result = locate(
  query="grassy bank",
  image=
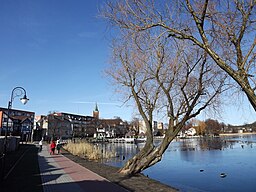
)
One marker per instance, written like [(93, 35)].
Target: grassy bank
[(88, 151)]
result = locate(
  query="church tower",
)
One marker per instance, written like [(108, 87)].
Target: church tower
[(96, 112)]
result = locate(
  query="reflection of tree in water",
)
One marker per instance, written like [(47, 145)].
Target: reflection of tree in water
[(124, 151), (213, 143), (206, 143), (188, 145)]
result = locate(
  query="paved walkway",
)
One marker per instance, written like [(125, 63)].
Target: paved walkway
[(59, 174)]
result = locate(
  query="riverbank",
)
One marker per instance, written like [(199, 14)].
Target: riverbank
[(237, 134), (137, 183)]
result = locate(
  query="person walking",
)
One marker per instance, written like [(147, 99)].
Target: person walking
[(40, 145), (52, 147), (58, 146)]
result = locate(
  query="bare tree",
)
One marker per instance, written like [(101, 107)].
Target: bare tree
[(199, 126), (213, 126), (225, 30), (165, 77)]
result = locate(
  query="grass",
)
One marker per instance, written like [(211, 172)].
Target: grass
[(88, 151)]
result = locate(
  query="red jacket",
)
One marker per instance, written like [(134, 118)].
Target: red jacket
[(53, 145)]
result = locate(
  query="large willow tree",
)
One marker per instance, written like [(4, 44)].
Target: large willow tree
[(162, 76), (224, 29)]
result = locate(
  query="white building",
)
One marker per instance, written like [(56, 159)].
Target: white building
[(190, 132), (155, 126)]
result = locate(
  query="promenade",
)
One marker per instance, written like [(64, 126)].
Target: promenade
[(60, 174), (29, 170)]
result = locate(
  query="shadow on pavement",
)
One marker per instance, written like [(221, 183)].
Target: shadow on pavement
[(25, 176), (87, 186)]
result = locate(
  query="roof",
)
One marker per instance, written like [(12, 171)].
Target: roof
[(5, 109), (96, 108), (21, 118), (111, 121)]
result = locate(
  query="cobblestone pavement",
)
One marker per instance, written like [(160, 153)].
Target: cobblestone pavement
[(136, 183), (60, 174)]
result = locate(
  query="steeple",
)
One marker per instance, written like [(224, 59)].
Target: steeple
[(96, 108), (96, 112)]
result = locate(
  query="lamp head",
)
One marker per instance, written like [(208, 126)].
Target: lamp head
[(24, 100)]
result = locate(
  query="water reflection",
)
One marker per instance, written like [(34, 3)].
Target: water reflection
[(183, 160), (124, 151), (212, 143)]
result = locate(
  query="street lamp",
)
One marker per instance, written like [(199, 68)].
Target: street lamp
[(16, 92)]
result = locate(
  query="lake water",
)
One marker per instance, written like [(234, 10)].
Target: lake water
[(197, 164)]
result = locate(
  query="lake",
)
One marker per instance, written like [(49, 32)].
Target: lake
[(200, 164)]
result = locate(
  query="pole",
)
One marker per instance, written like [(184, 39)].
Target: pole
[(23, 100), (7, 126)]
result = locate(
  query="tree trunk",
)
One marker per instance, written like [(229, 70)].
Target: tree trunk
[(140, 161), (244, 83), (242, 80), (150, 154), (240, 76), (252, 99)]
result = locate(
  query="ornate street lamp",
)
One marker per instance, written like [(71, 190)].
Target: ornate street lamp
[(16, 92)]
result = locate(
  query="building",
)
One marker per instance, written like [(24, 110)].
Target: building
[(142, 128), (68, 125), (190, 132), (156, 127), (111, 128), (108, 128), (40, 127), (96, 113), (20, 123), (160, 125), (80, 125), (65, 125)]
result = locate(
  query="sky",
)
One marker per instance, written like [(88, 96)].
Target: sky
[(57, 50)]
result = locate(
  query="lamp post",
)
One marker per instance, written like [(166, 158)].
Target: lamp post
[(16, 92)]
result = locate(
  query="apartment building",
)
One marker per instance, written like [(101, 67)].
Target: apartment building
[(20, 123), (68, 125)]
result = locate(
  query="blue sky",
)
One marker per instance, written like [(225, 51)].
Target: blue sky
[(57, 50)]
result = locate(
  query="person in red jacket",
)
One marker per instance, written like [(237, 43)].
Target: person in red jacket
[(52, 147)]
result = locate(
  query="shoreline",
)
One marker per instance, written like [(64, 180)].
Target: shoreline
[(136, 183), (236, 134)]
